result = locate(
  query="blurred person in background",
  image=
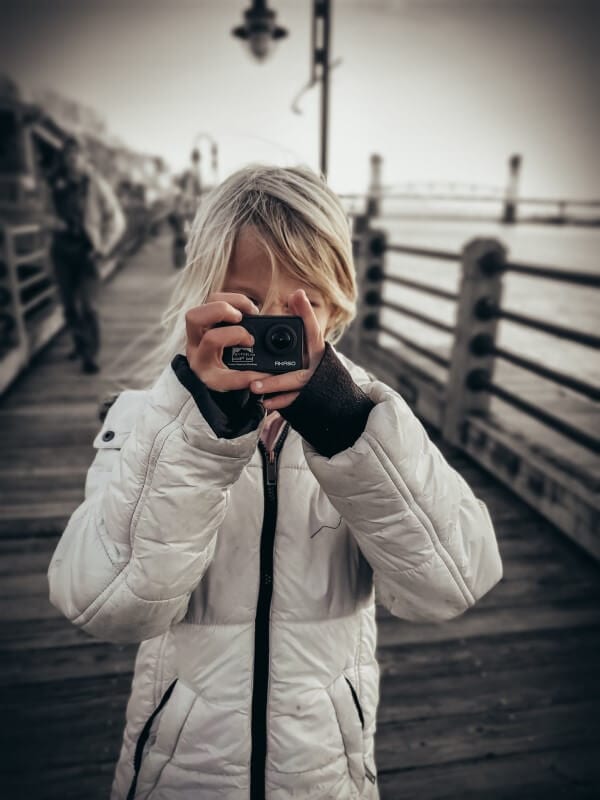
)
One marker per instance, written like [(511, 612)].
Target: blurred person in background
[(178, 221), (87, 225)]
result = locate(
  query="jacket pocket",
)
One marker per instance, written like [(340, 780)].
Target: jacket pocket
[(158, 739), (350, 720)]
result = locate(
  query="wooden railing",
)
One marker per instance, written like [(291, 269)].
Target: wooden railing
[(454, 396), (30, 310)]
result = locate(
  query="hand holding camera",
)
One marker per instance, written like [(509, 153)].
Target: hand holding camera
[(229, 346), (205, 342), (286, 387), (278, 345)]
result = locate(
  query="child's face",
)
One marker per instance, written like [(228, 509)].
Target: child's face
[(250, 273)]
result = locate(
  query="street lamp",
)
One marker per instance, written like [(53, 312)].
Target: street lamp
[(260, 30), (321, 37), (319, 71)]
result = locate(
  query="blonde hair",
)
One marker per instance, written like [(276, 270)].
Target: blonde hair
[(302, 226)]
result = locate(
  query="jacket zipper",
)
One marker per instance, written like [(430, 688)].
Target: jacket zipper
[(260, 684), (368, 773), (143, 738), (357, 705)]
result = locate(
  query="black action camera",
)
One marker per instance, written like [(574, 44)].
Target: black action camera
[(278, 345)]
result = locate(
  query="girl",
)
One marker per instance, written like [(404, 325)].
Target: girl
[(239, 525)]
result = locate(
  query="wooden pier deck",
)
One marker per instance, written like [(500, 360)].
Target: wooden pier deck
[(503, 702)]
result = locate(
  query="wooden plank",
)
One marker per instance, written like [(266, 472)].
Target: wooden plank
[(39, 519), (34, 607), (567, 772), (479, 695), (442, 740), (25, 555), (410, 663), (568, 503), (483, 622), (42, 634), (78, 456), (64, 666), (91, 780)]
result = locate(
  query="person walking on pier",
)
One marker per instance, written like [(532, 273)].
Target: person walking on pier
[(178, 220), (239, 524), (88, 224)]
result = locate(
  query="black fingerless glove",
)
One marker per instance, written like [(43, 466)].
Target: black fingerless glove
[(229, 414)]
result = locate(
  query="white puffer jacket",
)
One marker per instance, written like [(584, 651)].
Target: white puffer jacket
[(166, 550)]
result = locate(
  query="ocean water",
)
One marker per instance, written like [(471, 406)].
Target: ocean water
[(568, 247), (559, 247), (565, 247)]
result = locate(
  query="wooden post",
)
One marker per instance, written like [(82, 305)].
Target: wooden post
[(369, 247), (19, 333), (472, 359), (374, 191), (511, 198), (321, 47)]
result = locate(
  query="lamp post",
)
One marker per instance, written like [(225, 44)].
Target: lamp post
[(260, 31), (511, 197), (321, 36)]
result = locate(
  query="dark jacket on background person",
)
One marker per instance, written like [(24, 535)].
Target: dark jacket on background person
[(88, 210)]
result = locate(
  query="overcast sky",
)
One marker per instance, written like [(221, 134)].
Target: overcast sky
[(444, 90)]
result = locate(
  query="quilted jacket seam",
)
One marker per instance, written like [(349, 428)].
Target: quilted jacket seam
[(342, 757), (101, 538), (153, 600), (160, 668), (438, 547), (412, 570), (104, 594), (110, 586), (102, 597), (150, 470)]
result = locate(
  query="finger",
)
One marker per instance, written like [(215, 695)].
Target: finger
[(300, 304), (231, 379), (201, 318), (281, 401), (287, 382), (236, 299), (218, 338)]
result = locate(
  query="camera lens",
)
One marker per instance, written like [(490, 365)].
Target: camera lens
[(280, 338)]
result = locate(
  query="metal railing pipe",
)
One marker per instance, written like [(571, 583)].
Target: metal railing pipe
[(443, 255), (560, 331), (564, 275), (561, 378), (556, 423), (408, 312), (422, 287), (423, 351)]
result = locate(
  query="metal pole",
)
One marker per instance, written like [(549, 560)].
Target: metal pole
[(321, 39), (511, 199)]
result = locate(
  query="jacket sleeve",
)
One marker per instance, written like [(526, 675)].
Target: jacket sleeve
[(112, 213), (156, 495), (429, 540)]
